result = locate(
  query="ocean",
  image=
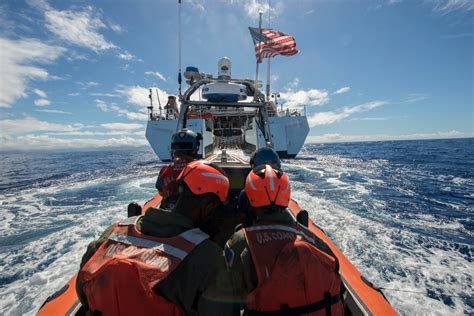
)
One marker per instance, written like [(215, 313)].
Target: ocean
[(401, 211)]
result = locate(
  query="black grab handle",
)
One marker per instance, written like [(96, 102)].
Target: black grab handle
[(303, 218)]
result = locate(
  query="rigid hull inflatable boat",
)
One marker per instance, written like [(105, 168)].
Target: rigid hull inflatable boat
[(230, 151)]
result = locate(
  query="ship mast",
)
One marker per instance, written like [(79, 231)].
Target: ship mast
[(268, 60), (179, 48), (256, 72)]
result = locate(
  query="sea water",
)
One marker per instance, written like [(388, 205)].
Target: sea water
[(401, 211)]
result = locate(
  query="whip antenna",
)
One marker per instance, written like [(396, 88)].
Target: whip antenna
[(158, 97), (179, 47), (256, 71), (268, 59)]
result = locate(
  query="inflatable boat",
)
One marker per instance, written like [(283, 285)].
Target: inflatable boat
[(359, 296), (252, 122)]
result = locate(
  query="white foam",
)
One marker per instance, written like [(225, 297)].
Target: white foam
[(391, 249), (389, 253), (47, 260)]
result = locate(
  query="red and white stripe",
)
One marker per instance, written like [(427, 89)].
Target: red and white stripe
[(278, 43)]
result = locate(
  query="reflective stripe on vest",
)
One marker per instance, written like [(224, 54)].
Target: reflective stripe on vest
[(281, 227), (195, 236), (145, 243)]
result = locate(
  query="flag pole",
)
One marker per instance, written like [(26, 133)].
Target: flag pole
[(268, 59), (256, 71), (179, 47)]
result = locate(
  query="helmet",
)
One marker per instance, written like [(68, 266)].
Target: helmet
[(185, 142), (202, 178), (264, 156), (267, 186)]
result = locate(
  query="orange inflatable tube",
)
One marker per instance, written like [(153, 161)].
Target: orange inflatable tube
[(63, 302), (366, 297)]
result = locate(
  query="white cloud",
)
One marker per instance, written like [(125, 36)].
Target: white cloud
[(155, 73), (17, 60), (127, 68), (111, 95), (32, 141), (40, 93), (330, 138), (101, 105), (53, 111), (140, 133), (123, 126), (141, 115), (342, 90), (415, 97), (448, 6), (79, 28), (91, 133), (30, 124), (370, 119), (39, 4), (325, 118), (138, 95), (87, 85), (298, 99), (115, 27), (42, 102), (73, 55), (125, 55), (293, 85), (74, 94), (252, 7), (198, 5)]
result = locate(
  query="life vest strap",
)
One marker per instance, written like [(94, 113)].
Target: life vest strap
[(305, 309)]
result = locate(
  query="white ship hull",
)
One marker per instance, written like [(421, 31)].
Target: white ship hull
[(288, 136)]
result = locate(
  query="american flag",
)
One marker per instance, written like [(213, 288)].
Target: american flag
[(269, 43)]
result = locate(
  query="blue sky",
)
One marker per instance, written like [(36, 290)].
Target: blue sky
[(76, 74)]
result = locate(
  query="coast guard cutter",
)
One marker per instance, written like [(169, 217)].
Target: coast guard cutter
[(231, 114)]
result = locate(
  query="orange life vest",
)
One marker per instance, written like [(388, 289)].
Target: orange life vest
[(297, 273), (119, 278)]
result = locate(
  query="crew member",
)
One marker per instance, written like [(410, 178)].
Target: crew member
[(259, 157), (279, 266), (184, 149), (161, 263)]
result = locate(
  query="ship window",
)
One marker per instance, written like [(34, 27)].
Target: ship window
[(225, 68), (205, 89)]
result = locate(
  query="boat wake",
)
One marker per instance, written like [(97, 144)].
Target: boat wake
[(394, 219)]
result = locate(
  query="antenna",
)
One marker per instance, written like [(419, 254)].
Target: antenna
[(150, 108), (179, 47), (256, 71), (158, 97), (268, 59)]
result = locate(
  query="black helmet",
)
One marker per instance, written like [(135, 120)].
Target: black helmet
[(185, 142), (265, 156)]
